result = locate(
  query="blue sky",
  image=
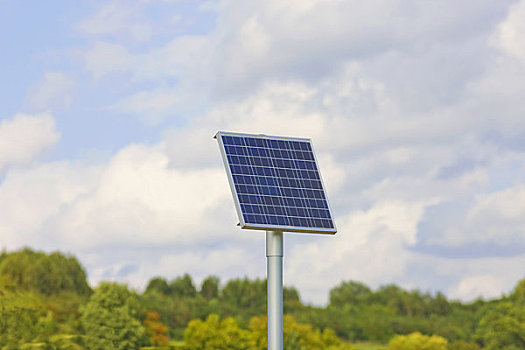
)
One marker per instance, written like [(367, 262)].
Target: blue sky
[(415, 109)]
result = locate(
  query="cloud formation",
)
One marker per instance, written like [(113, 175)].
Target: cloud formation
[(415, 111), (24, 136), (54, 91), (116, 18)]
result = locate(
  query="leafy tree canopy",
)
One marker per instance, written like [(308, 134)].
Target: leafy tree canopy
[(210, 287), (244, 297), (503, 327), (518, 295), (417, 341), (44, 273), (349, 292), (45, 303), (158, 284), (183, 287), (110, 319), (155, 329), (215, 334)]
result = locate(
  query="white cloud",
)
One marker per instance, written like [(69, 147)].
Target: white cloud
[(511, 32), (254, 42), (370, 246), (228, 261), (185, 56), (150, 106), (139, 200), (483, 277), (54, 91), (412, 113), (472, 287), (24, 137), (117, 18), (32, 197), (394, 53), (104, 58), (136, 204), (494, 218)]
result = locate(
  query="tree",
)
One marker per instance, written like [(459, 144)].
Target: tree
[(158, 284), (210, 288), (417, 341), (244, 298), (183, 287), (155, 329), (349, 292), (463, 345), (43, 273), (439, 305), (518, 295), (110, 319), (214, 334), (503, 327), (291, 300), (297, 336), (19, 314)]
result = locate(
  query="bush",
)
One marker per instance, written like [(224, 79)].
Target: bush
[(417, 341)]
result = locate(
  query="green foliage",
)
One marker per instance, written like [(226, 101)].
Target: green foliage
[(43, 273), (214, 334), (45, 303), (518, 295), (403, 302), (417, 341), (19, 316), (110, 319), (503, 327), (176, 312), (64, 342), (226, 334), (244, 298), (463, 345), (291, 301), (178, 302), (158, 284), (183, 287), (156, 330), (210, 288), (350, 293), (369, 346), (296, 336), (240, 298), (27, 323), (359, 314)]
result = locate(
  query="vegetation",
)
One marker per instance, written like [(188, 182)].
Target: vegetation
[(417, 341), (214, 333), (46, 303), (110, 319)]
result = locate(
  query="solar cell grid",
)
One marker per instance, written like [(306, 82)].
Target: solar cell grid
[(277, 183)]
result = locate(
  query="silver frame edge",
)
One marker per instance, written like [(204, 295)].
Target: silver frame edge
[(236, 198)]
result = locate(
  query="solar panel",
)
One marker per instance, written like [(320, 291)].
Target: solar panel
[(276, 183)]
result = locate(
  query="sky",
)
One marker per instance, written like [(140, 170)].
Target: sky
[(416, 111)]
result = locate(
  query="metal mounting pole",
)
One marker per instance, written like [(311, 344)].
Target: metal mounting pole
[(274, 269)]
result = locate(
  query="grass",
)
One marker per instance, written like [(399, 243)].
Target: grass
[(176, 344), (368, 346)]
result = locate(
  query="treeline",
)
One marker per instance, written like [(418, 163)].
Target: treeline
[(46, 303)]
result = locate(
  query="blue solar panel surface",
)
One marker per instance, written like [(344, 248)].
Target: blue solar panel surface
[(276, 183)]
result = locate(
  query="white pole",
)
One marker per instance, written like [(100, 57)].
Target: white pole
[(274, 264)]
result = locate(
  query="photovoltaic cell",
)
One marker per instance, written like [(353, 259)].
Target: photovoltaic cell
[(276, 183)]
